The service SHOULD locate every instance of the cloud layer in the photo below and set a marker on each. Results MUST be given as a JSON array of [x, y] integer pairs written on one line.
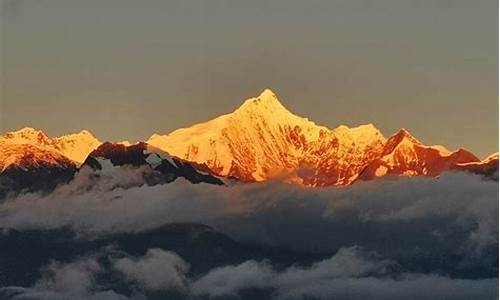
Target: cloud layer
[[459, 208], [349, 274], [423, 237]]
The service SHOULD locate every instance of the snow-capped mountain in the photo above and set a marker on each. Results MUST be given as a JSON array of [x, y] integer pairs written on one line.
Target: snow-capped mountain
[[109, 157], [31, 168], [258, 141], [74, 146], [32, 161], [262, 140], [488, 166], [403, 154], [26, 167], [254, 142], [26, 156]]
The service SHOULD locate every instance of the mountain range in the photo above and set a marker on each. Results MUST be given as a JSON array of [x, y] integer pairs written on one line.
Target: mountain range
[[261, 140]]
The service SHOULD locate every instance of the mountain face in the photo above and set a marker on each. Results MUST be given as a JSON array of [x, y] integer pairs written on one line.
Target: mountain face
[[487, 167], [165, 168], [24, 167], [32, 161], [75, 146], [403, 154], [262, 140]]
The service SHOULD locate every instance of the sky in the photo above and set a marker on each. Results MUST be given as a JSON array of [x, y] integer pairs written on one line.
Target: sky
[[125, 69]]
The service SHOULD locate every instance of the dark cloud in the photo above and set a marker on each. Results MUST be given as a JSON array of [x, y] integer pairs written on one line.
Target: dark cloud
[[411, 287], [89, 277], [459, 208], [75, 280], [157, 270], [446, 226], [230, 280], [351, 273]]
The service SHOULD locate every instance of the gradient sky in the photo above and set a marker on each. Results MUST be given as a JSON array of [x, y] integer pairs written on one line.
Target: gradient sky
[[125, 69]]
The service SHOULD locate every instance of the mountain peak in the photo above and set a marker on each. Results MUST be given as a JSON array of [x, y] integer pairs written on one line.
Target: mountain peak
[[405, 134], [26, 135], [267, 94], [401, 138], [262, 139], [491, 157], [75, 146], [266, 101], [85, 132], [27, 130]]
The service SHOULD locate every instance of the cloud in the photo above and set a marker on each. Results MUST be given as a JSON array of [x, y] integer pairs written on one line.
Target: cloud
[[230, 280], [76, 277], [352, 273], [416, 221], [410, 287], [92, 277], [157, 270], [20, 293], [346, 263], [75, 280], [349, 274]]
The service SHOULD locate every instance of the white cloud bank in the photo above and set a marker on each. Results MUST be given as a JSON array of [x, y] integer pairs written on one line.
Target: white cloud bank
[[431, 210], [404, 220]]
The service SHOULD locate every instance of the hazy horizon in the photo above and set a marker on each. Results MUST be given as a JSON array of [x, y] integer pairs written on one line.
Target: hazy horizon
[[125, 70]]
